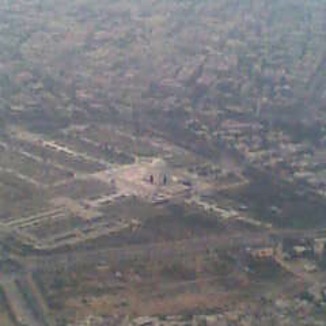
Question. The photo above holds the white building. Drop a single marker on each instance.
(158, 173)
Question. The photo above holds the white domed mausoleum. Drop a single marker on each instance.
(158, 173)
(151, 180)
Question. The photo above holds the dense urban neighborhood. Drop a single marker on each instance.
(162, 162)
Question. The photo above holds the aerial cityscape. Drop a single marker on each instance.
(163, 163)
